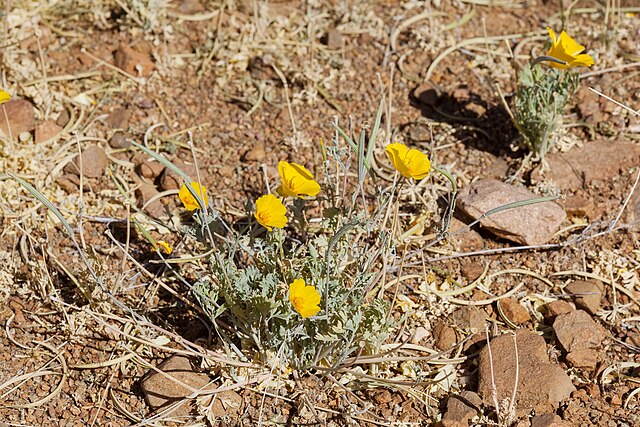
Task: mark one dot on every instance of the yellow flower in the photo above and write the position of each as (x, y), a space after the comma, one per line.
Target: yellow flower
(568, 50)
(270, 212)
(164, 245)
(297, 181)
(4, 96)
(305, 299)
(190, 203)
(411, 163)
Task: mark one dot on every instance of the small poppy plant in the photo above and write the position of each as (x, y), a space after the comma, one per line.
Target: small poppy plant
(568, 50)
(411, 163)
(305, 299)
(297, 181)
(4, 96)
(190, 203)
(165, 246)
(270, 212)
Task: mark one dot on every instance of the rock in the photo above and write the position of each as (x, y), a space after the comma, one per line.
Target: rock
(462, 407)
(119, 119)
(120, 140)
(69, 183)
(586, 294)
(587, 358)
(94, 162)
(556, 308)
(226, 404)
(255, 153)
(584, 165)
(579, 206)
(528, 225)
(426, 94)
(150, 169)
(548, 420)
(443, 335)
(46, 131)
(633, 338)
(172, 181)
(588, 105)
(514, 311)
(466, 241)
(146, 192)
(133, 62)
(190, 7)
(472, 270)
(420, 334)
(161, 392)
(541, 384)
(469, 318)
(333, 39)
(578, 331)
(21, 117)
(63, 118)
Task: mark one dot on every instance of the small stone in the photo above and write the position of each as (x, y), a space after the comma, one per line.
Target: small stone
(477, 109)
(63, 118)
(634, 339)
(587, 294)
(191, 7)
(94, 161)
(588, 105)
(383, 397)
(469, 318)
(46, 131)
(514, 311)
(256, 153)
(226, 403)
(541, 384)
(120, 140)
(133, 62)
(69, 183)
(172, 181)
(578, 206)
(578, 331)
(467, 240)
(119, 119)
(420, 334)
(333, 39)
(556, 308)
(586, 358)
(462, 407)
(444, 335)
(532, 224)
(472, 270)
(150, 169)
(160, 391)
(548, 420)
(21, 117)
(426, 94)
(146, 192)
(615, 400)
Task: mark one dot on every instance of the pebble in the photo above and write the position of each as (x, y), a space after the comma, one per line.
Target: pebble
(256, 153)
(469, 318)
(133, 62)
(548, 420)
(47, 131)
(63, 118)
(541, 384)
(119, 119)
(190, 7)
(333, 39)
(444, 335)
(587, 358)
(420, 334)
(462, 407)
(120, 140)
(21, 116)
(528, 225)
(578, 206)
(514, 311)
(94, 162)
(146, 192)
(466, 241)
(160, 391)
(172, 181)
(427, 94)
(578, 331)
(556, 308)
(586, 294)
(472, 270)
(69, 183)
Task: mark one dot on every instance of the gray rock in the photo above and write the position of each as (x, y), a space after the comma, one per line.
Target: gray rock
(528, 225)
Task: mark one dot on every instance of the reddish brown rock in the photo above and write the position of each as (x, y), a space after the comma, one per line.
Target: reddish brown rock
(146, 195)
(514, 311)
(93, 161)
(119, 119)
(256, 153)
(469, 318)
(46, 131)
(578, 331)
(21, 116)
(556, 308)
(444, 335)
(580, 207)
(587, 358)
(586, 294)
(541, 385)
(548, 420)
(133, 62)
(173, 181)
(190, 7)
(465, 240)
(532, 224)
(462, 407)
(472, 270)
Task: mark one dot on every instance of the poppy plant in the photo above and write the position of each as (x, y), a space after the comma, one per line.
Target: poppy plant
(297, 181)
(568, 50)
(411, 163)
(305, 299)
(4, 96)
(190, 203)
(270, 212)
(165, 246)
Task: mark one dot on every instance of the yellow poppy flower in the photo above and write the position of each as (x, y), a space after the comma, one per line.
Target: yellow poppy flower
(270, 212)
(190, 203)
(305, 299)
(568, 50)
(411, 163)
(164, 245)
(297, 181)
(4, 96)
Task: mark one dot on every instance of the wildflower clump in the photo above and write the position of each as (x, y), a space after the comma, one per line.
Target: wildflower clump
(543, 94)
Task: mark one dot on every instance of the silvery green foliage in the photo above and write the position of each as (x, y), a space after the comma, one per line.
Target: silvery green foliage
(248, 291)
(539, 104)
